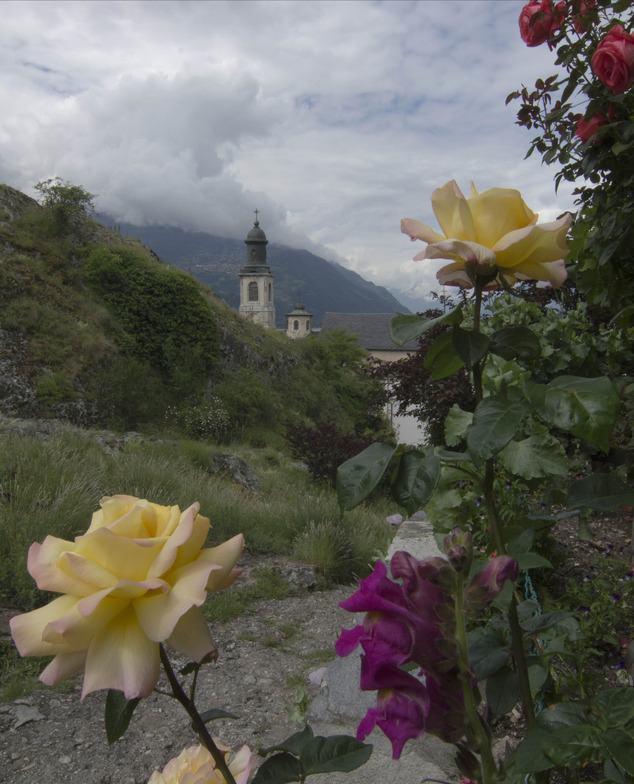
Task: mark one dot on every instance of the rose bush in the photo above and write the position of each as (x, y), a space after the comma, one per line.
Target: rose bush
(492, 233)
(195, 765)
(539, 20)
(135, 579)
(613, 61)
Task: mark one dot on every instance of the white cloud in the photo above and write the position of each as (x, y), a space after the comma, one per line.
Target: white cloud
(336, 118)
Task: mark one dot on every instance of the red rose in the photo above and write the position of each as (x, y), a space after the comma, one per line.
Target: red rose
(581, 20)
(585, 130)
(613, 62)
(539, 20)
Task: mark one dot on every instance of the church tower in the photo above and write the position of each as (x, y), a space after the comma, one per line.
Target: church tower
(256, 280)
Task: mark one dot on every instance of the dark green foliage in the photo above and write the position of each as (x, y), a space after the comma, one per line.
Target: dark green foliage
(417, 393)
(162, 317)
(323, 448)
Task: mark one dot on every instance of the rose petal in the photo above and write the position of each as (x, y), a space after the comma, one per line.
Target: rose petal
(121, 657)
(225, 555)
(27, 629)
(453, 212)
(63, 666)
(158, 614)
(191, 636)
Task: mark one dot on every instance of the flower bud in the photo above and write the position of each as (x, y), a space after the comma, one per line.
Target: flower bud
(458, 546)
(488, 584)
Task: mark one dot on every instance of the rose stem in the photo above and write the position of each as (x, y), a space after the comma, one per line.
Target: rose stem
(199, 724)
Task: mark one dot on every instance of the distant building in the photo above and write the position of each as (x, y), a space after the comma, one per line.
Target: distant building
(373, 332)
(256, 280)
(299, 322)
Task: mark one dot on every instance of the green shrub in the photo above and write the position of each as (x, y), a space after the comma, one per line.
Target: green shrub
(162, 317)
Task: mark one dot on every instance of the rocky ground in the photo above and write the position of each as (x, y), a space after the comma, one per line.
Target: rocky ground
(51, 737)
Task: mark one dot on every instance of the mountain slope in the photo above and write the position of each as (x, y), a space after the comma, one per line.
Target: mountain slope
(299, 275)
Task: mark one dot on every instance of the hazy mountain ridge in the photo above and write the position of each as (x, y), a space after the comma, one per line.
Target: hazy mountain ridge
(299, 275)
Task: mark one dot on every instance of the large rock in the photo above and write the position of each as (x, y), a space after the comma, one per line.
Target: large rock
(240, 471)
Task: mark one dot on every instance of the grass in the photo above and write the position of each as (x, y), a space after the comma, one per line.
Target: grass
(226, 605)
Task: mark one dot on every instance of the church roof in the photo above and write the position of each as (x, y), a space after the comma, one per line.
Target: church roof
(299, 310)
(372, 329)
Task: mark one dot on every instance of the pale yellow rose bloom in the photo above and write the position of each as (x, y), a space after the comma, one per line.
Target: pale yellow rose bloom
(489, 232)
(195, 765)
(135, 579)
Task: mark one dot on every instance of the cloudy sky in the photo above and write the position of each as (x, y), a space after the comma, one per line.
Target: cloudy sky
(335, 118)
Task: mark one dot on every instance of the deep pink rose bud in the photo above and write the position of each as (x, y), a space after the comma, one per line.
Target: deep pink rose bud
(539, 20)
(586, 130)
(613, 62)
(488, 584)
(582, 18)
(458, 546)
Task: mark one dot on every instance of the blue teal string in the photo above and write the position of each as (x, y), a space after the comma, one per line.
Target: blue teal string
(530, 593)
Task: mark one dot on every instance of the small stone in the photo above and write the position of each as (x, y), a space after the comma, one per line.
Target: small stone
(25, 714)
(63, 760)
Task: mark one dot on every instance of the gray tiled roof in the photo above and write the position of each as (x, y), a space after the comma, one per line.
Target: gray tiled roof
(373, 330)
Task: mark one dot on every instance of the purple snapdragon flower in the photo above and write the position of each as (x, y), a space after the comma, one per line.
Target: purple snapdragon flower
(412, 622)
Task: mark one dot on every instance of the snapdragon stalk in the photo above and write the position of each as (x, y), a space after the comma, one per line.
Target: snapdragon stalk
(487, 763)
(199, 725)
(494, 524)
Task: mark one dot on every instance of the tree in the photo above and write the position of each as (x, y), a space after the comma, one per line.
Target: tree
(68, 205)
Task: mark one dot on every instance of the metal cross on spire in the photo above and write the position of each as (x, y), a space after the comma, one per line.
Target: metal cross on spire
(257, 212)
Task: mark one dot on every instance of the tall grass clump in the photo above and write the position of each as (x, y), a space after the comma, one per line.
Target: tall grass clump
(46, 487)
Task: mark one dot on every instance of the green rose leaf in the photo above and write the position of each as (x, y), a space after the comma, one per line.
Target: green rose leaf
(563, 714)
(495, 422)
(407, 326)
(442, 360)
(612, 708)
(118, 714)
(416, 480)
(534, 457)
(575, 745)
(542, 622)
(470, 346)
(529, 757)
(585, 407)
(503, 691)
(357, 477)
(279, 769)
(335, 753)
(532, 561)
(620, 745)
(600, 492)
(512, 342)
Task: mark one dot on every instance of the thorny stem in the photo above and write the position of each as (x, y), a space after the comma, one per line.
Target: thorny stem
(496, 534)
(199, 724)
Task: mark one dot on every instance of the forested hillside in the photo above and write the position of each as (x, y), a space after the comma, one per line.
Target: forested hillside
(95, 329)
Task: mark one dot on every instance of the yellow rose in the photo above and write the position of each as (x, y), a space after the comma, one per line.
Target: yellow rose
(195, 765)
(135, 579)
(491, 232)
